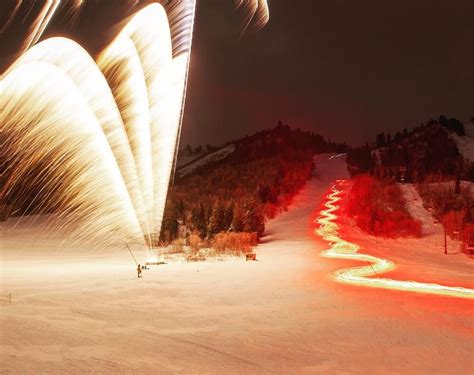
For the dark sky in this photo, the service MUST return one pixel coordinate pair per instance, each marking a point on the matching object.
(345, 69)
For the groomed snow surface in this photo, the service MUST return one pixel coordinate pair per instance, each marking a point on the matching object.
(75, 310)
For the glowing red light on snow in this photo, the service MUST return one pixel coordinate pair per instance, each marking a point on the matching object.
(342, 249)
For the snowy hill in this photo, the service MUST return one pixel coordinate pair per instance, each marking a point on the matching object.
(434, 148)
(205, 159)
(469, 128)
(266, 143)
(466, 143)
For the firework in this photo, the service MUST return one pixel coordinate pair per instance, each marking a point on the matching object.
(58, 151)
(135, 102)
(94, 142)
(11, 16)
(40, 23)
(256, 13)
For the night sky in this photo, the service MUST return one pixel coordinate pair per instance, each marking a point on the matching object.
(345, 69)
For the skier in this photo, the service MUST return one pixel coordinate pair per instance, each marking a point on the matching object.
(139, 271)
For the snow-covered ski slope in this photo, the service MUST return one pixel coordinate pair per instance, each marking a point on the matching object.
(76, 310)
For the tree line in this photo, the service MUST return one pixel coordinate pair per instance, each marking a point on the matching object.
(414, 155)
(240, 193)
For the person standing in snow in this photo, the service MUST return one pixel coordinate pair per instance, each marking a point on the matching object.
(139, 271)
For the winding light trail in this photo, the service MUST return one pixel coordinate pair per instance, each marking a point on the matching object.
(342, 249)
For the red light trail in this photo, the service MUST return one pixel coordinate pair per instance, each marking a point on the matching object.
(363, 276)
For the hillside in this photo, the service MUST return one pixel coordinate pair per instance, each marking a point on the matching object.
(211, 157)
(239, 186)
(265, 143)
(438, 158)
(465, 143)
(444, 148)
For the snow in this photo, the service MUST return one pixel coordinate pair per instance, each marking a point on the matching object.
(469, 129)
(183, 160)
(376, 154)
(213, 157)
(421, 259)
(77, 310)
(466, 143)
(415, 208)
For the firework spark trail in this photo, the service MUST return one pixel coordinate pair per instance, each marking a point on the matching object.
(74, 61)
(12, 15)
(181, 19)
(72, 11)
(123, 70)
(149, 31)
(165, 138)
(139, 113)
(76, 168)
(186, 29)
(342, 249)
(35, 26)
(181, 16)
(40, 23)
(45, 21)
(256, 13)
(77, 117)
(164, 112)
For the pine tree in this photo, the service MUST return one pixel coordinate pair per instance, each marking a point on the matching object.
(173, 223)
(228, 217)
(457, 185)
(199, 220)
(169, 227)
(180, 209)
(264, 193)
(237, 220)
(380, 140)
(216, 220)
(398, 137)
(254, 221)
(188, 150)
